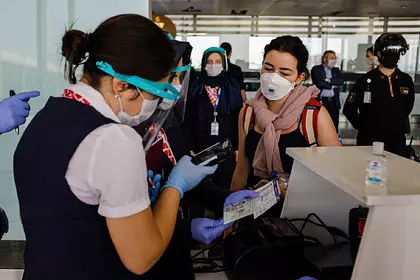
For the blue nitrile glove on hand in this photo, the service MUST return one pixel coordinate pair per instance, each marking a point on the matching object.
(14, 110)
(307, 278)
(154, 190)
(239, 196)
(186, 175)
(205, 230)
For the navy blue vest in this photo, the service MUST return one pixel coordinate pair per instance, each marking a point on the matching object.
(65, 238)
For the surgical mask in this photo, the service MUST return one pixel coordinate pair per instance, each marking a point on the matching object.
(332, 63)
(148, 107)
(214, 70)
(390, 60)
(274, 86)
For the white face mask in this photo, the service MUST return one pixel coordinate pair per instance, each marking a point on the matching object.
(332, 63)
(274, 86)
(214, 70)
(148, 107)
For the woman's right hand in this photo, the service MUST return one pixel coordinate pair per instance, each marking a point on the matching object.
(186, 175)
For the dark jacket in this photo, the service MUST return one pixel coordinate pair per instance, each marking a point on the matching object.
(236, 72)
(319, 79)
(384, 118)
(200, 114)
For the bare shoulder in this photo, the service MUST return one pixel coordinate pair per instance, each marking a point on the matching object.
(327, 135)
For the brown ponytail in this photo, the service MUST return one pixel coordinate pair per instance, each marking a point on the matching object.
(74, 50)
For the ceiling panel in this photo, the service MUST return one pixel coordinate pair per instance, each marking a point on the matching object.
(390, 8)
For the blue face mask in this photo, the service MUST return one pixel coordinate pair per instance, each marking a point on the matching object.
(163, 90)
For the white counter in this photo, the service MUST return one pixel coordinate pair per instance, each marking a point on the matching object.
(345, 167)
(331, 181)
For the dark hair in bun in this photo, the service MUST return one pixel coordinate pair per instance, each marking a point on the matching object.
(294, 46)
(131, 44)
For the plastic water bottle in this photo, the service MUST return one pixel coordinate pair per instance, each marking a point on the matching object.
(377, 171)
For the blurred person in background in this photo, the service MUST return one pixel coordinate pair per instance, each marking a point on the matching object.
(371, 59)
(381, 101)
(234, 70)
(328, 80)
(213, 106)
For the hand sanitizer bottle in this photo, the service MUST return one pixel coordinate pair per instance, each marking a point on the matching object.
(377, 171)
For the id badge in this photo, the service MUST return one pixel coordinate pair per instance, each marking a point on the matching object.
(214, 129)
(367, 97)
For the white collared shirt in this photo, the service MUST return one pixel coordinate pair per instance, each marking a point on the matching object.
(109, 167)
(328, 92)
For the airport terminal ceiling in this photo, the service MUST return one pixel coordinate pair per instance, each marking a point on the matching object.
(350, 8)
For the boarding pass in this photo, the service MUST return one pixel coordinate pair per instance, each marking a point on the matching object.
(237, 211)
(269, 195)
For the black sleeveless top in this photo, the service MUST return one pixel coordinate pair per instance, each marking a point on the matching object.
(294, 139)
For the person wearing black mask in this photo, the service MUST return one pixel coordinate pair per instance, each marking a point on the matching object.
(213, 107)
(381, 101)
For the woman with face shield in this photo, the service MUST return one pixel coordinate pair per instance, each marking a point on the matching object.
(213, 109)
(171, 145)
(275, 118)
(80, 169)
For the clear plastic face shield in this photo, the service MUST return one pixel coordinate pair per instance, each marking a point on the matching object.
(165, 91)
(211, 50)
(181, 81)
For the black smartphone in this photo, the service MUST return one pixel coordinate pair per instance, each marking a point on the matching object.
(214, 155)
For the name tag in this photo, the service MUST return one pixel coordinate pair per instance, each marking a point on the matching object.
(367, 97)
(214, 129)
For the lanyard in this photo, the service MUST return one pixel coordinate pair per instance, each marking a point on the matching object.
(217, 101)
(167, 150)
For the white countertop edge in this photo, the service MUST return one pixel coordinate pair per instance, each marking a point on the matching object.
(390, 200)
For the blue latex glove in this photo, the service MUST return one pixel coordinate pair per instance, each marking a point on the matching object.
(186, 175)
(14, 110)
(307, 278)
(239, 196)
(154, 191)
(206, 230)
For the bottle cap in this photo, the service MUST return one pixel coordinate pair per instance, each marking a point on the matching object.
(378, 148)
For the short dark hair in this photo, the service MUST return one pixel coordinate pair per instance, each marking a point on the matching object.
(127, 42)
(326, 53)
(370, 50)
(294, 46)
(227, 47)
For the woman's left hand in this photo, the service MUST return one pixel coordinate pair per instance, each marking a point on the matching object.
(154, 190)
(205, 230)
